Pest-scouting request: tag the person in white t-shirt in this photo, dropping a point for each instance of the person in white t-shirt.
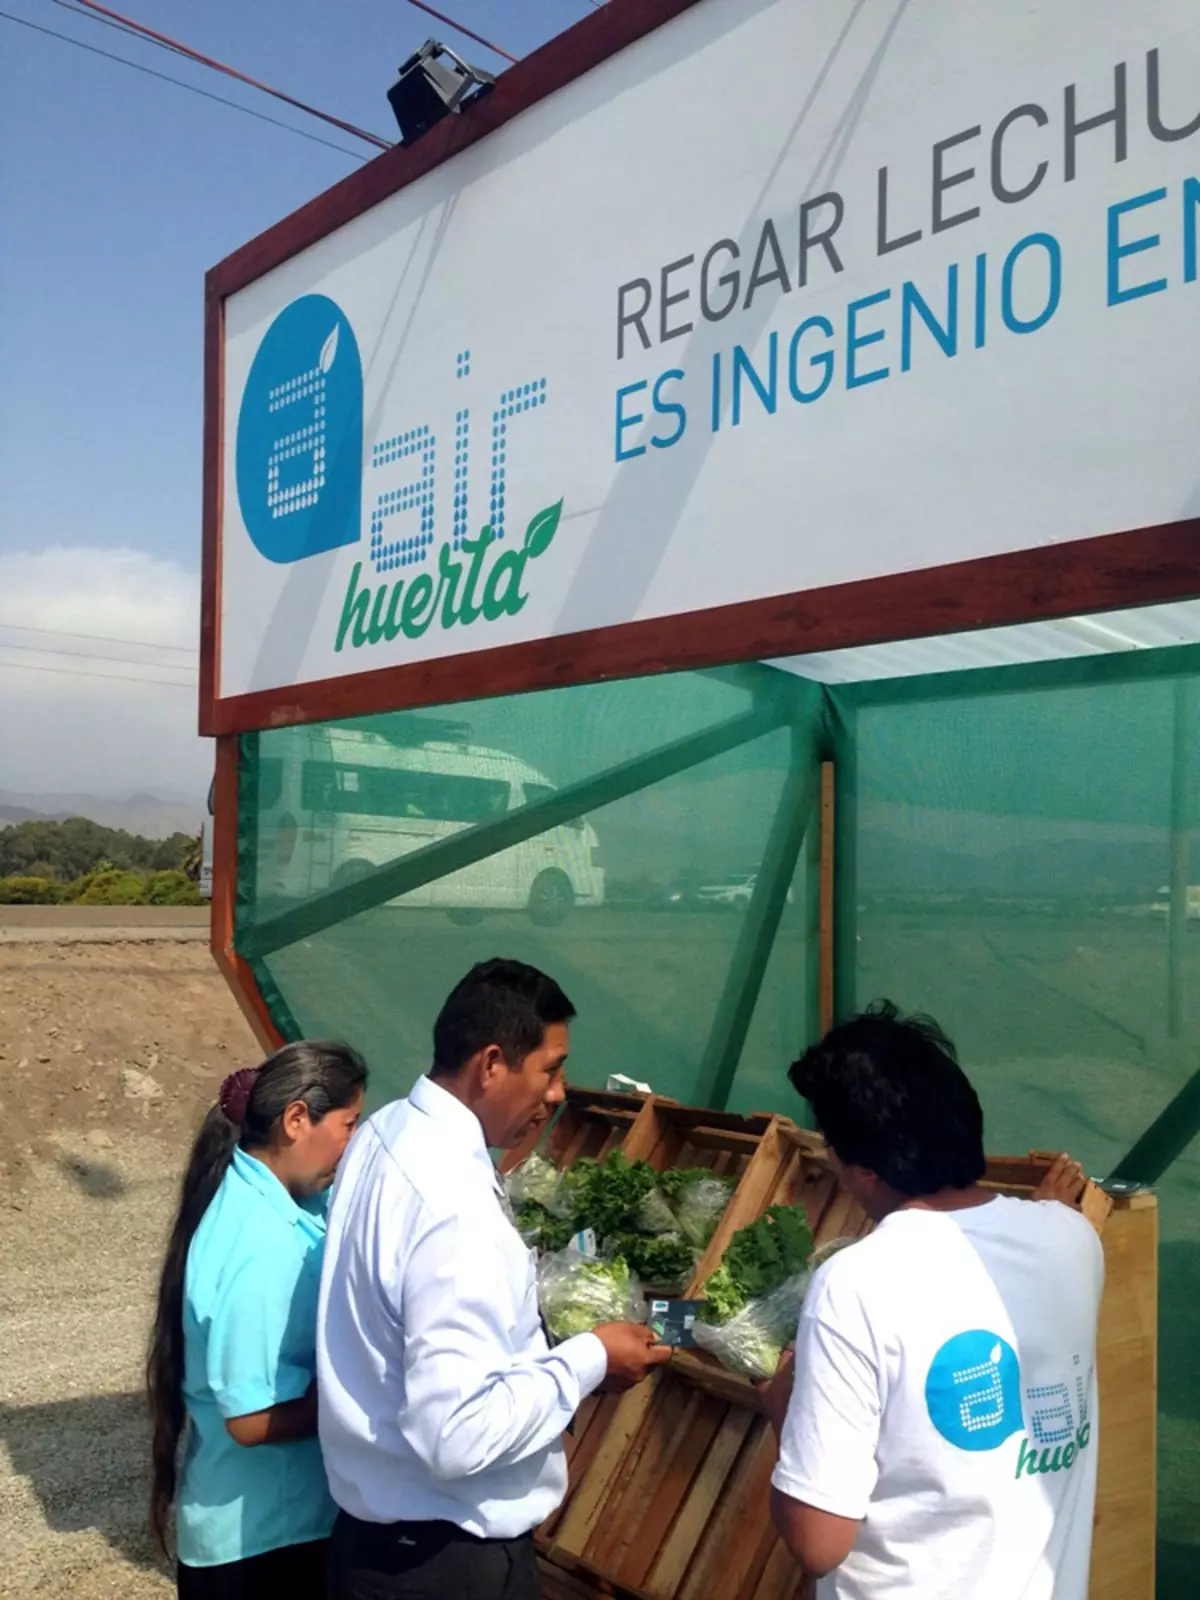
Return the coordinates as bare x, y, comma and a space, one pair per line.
937, 1425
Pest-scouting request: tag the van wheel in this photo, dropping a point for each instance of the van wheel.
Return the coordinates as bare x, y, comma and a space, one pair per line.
351, 872
465, 917
551, 898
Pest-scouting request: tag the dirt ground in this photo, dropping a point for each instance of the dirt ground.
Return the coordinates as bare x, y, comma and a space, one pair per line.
109, 1054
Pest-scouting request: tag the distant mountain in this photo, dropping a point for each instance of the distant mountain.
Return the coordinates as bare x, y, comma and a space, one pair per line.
152, 814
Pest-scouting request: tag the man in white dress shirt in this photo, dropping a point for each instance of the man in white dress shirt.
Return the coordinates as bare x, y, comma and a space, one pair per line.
442, 1408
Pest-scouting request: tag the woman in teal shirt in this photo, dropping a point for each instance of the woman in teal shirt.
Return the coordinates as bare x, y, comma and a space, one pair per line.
232, 1359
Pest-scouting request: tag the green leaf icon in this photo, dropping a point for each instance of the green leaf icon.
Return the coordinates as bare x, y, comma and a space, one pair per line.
541, 530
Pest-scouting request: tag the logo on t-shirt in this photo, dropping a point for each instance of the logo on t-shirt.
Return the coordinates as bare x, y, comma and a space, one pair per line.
973, 1391
976, 1401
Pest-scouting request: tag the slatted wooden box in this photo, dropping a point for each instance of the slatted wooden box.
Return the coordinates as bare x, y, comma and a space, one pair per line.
592, 1123
668, 1496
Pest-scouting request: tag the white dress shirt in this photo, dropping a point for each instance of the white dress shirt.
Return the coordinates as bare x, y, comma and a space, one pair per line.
439, 1397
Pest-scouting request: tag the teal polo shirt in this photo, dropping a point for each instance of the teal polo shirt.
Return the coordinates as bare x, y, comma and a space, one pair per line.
249, 1334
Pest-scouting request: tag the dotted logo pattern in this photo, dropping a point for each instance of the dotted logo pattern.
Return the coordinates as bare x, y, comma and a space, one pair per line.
300, 434
387, 556
308, 441
525, 397
973, 1391
462, 453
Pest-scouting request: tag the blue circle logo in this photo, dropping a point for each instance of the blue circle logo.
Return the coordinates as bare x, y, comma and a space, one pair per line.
300, 434
973, 1391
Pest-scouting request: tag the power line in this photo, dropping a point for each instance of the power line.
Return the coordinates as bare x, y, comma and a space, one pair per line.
97, 677
165, 77
97, 655
100, 638
232, 72
441, 16
107, 22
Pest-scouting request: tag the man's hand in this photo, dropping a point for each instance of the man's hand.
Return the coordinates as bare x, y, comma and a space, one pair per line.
1063, 1181
631, 1352
776, 1392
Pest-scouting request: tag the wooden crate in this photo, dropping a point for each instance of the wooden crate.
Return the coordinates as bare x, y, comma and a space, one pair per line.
590, 1122
669, 1484
665, 1134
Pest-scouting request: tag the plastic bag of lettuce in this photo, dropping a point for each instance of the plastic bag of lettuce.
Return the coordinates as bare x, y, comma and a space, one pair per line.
576, 1293
619, 1201
697, 1201
532, 1189
752, 1301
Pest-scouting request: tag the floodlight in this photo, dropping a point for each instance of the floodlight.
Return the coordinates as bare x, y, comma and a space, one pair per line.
433, 82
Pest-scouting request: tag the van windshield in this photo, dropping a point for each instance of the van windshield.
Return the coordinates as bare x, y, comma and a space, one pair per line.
332, 786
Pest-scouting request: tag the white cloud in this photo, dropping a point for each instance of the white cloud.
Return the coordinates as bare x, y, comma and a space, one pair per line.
70, 718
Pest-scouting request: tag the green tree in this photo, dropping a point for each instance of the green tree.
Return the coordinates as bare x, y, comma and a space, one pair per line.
70, 849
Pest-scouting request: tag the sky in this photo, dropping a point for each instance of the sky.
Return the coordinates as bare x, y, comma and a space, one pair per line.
117, 192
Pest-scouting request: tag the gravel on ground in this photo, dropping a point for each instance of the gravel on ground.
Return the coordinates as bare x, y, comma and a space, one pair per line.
109, 1055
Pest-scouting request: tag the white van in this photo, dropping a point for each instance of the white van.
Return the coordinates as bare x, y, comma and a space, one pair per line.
346, 800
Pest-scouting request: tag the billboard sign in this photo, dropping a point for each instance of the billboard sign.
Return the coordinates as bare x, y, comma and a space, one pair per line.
784, 295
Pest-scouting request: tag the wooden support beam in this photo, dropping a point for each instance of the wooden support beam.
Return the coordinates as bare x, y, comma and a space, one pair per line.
825, 955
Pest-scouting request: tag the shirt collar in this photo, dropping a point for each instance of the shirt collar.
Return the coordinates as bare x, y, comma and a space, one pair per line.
263, 1181
456, 1120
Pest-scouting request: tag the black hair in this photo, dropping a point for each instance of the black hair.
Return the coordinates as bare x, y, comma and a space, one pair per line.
888, 1094
504, 1003
324, 1077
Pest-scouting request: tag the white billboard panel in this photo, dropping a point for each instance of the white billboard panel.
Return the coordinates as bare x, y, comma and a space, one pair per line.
787, 294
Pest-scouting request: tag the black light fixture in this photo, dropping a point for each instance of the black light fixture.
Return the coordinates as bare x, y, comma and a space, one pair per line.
433, 82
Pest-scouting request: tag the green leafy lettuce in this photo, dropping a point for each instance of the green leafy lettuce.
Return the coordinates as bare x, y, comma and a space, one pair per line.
578, 1294
662, 1260
539, 1228
604, 1195
758, 1260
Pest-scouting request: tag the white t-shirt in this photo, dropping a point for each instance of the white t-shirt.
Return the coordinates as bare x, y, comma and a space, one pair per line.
945, 1395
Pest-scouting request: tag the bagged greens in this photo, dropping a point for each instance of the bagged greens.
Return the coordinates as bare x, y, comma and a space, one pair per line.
531, 1189
653, 1214
533, 1182
752, 1301
759, 1259
754, 1338
539, 1228
657, 1222
663, 1261
699, 1204
577, 1293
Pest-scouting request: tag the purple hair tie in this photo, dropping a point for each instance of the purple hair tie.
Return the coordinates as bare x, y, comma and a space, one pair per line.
233, 1096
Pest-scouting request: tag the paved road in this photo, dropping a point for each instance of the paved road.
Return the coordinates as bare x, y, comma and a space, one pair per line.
102, 924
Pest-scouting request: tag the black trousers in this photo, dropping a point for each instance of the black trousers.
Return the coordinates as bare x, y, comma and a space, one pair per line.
427, 1561
297, 1572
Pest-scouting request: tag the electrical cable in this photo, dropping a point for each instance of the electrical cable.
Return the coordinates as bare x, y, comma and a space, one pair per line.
231, 72
101, 638
441, 16
98, 655
97, 677
165, 77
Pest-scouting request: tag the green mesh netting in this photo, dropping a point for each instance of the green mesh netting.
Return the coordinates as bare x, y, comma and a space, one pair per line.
1014, 849
1007, 841
641, 907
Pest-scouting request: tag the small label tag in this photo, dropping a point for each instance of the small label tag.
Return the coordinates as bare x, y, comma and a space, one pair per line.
671, 1322
585, 1243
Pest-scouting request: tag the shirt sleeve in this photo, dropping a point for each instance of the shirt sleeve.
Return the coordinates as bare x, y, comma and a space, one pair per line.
472, 1399
827, 1451
264, 1318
